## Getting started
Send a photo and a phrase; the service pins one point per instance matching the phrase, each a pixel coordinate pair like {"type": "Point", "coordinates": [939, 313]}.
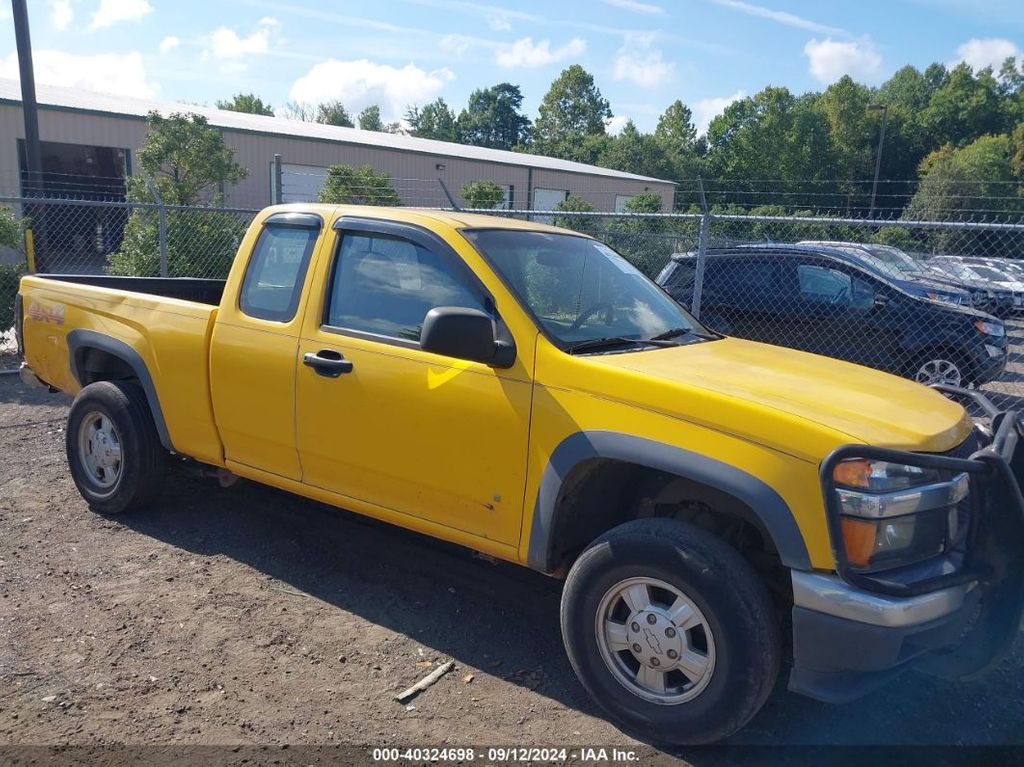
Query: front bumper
{"type": "Point", "coordinates": [853, 632]}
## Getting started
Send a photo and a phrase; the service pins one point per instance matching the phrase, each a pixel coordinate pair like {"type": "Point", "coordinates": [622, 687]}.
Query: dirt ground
{"type": "Point", "coordinates": [248, 616]}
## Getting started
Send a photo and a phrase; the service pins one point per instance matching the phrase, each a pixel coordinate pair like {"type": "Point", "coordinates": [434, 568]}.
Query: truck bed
{"type": "Point", "coordinates": [202, 291]}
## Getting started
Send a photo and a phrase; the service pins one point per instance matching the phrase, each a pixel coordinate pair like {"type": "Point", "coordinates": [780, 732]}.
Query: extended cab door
{"type": "Point", "coordinates": [391, 425]}
{"type": "Point", "coordinates": [255, 341]}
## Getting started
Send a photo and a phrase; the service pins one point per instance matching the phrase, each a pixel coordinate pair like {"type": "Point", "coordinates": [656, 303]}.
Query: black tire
{"type": "Point", "coordinates": [725, 589]}
{"type": "Point", "coordinates": [136, 481]}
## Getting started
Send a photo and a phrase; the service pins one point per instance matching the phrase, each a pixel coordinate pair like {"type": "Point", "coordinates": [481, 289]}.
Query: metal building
{"type": "Point", "coordinates": [88, 140]}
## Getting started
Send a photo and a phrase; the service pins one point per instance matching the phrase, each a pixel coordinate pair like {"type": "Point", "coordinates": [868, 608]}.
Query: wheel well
{"type": "Point", "coordinates": [934, 350]}
{"type": "Point", "coordinates": [600, 494]}
{"type": "Point", "coordinates": [93, 365]}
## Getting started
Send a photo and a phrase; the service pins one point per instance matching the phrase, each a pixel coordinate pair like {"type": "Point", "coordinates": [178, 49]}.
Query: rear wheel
{"type": "Point", "coordinates": [114, 451]}
{"type": "Point", "coordinates": [671, 631]}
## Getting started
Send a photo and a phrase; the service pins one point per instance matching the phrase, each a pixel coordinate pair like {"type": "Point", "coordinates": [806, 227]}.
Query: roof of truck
{"type": "Point", "coordinates": [421, 216]}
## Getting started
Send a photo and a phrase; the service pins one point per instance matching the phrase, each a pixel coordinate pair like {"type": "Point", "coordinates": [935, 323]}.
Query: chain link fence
{"type": "Point", "coordinates": [928, 300]}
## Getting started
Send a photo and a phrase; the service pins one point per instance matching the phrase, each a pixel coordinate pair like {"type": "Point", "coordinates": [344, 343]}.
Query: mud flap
{"type": "Point", "coordinates": [999, 548]}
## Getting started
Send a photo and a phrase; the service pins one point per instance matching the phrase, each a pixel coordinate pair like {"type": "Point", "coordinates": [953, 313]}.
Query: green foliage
{"type": "Point", "coordinates": [334, 113]}
{"type": "Point", "coordinates": [493, 118]}
{"type": "Point", "coordinates": [572, 110]}
{"type": "Point", "coordinates": [358, 186]}
{"type": "Point", "coordinates": [636, 152]}
{"type": "Point", "coordinates": [435, 120]}
{"type": "Point", "coordinates": [576, 204]}
{"type": "Point", "coordinates": [246, 102]}
{"type": "Point", "coordinates": [187, 159]}
{"type": "Point", "coordinates": [482, 194]}
{"type": "Point", "coordinates": [190, 164]}
{"type": "Point", "coordinates": [369, 119]}
{"type": "Point", "coordinates": [200, 243]}
{"type": "Point", "coordinates": [10, 274]}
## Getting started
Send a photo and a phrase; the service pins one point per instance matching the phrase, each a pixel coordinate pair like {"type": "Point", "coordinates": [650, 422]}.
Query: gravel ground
{"type": "Point", "coordinates": [248, 616]}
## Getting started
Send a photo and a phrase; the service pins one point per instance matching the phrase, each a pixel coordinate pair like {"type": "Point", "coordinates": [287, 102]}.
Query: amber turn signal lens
{"type": "Point", "coordinates": [859, 540]}
{"type": "Point", "coordinates": [853, 473]}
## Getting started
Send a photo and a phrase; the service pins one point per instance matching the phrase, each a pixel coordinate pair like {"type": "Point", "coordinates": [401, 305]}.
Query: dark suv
{"type": "Point", "coordinates": [820, 300]}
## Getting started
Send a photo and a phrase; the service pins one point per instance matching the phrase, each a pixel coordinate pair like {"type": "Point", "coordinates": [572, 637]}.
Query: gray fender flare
{"type": "Point", "coordinates": [80, 340]}
{"type": "Point", "coordinates": [772, 511]}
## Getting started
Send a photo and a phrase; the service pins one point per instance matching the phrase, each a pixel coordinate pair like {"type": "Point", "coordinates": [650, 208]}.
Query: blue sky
{"type": "Point", "coordinates": [643, 53]}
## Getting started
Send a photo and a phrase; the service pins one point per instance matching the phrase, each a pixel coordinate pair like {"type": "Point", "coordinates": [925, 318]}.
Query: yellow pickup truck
{"type": "Point", "coordinates": [720, 510]}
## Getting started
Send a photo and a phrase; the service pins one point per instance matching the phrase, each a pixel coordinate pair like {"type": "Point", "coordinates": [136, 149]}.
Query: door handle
{"type": "Point", "coordinates": [327, 363]}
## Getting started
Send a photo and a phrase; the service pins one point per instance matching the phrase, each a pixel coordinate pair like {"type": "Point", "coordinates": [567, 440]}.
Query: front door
{"type": "Point", "coordinates": [389, 424]}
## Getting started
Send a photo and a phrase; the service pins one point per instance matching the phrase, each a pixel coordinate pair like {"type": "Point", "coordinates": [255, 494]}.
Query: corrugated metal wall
{"type": "Point", "coordinates": [414, 174]}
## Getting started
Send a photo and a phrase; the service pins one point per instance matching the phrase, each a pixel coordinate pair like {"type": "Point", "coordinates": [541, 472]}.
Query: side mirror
{"type": "Point", "coordinates": [466, 334]}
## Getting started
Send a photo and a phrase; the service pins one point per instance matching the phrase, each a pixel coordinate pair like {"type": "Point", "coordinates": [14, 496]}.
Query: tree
{"type": "Point", "coordinates": [852, 130]}
{"type": "Point", "coordinates": [573, 110]}
{"type": "Point", "coordinates": [483, 194]}
{"type": "Point", "coordinates": [964, 107]}
{"type": "Point", "coordinates": [10, 274]}
{"type": "Point", "coordinates": [435, 120]}
{"type": "Point", "coordinates": [246, 102]}
{"type": "Point", "coordinates": [359, 186]}
{"type": "Point", "coordinates": [333, 113]}
{"type": "Point", "coordinates": [189, 163]}
{"type": "Point", "coordinates": [369, 119]}
{"type": "Point", "coordinates": [492, 118]}
{"type": "Point", "coordinates": [636, 152]}
{"type": "Point", "coordinates": [299, 110]}
{"type": "Point", "coordinates": [675, 131]}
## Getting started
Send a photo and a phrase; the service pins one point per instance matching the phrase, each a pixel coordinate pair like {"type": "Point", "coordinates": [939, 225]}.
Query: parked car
{"type": "Point", "coordinates": [824, 300]}
{"type": "Point", "coordinates": [715, 506]}
{"type": "Point", "coordinates": [895, 265]}
{"type": "Point", "coordinates": [997, 299]}
{"type": "Point", "coordinates": [995, 272]}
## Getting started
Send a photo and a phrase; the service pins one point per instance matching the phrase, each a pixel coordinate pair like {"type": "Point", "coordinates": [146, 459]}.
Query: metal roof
{"type": "Point", "coordinates": [106, 103]}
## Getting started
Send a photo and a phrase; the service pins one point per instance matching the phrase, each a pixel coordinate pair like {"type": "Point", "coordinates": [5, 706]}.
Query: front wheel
{"type": "Point", "coordinates": [940, 368]}
{"type": "Point", "coordinates": [671, 631]}
{"type": "Point", "coordinates": [113, 448]}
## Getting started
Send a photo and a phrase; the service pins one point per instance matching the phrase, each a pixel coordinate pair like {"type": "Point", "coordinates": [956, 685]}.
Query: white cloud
{"type": "Point", "coordinates": [358, 84]}
{"type": "Point", "coordinates": [705, 110]}
{"type": "Point", "coordinates": [782, 17]}
{"type": "Point", "coordinates": [636, 7]}
{"type": "Point", "coordinates": [169, 43]}
{"type": "Point", "coordinates": [981, 52]}
{"type": "Point", "coordinates": [113, 12]}
{"type": "Point", "coordinates": [231, 48]}
{"type": "Point", "coordinates": [498, 22]}
{"type": "Point", "coordinates": [830, 59]}
{"type": "Point", "coordinates": [61, 14]}
{"type": "Point", "coordinates": [637, 62]}
{"type": "Point", "coordinates": [121, 73]}
{"type": "Point", "coordinates": [456, 45]}
{"type": "Point", "coordinates": [615, 125]}
{"type": "Point", "coordinates": [526, 54]}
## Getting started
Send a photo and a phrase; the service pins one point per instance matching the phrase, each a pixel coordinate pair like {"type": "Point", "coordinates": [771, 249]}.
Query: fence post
{"type": "Point", "coordinates": [278, 191]}
{"type": "Point", "coordinates": [162, 223]}
{"type": "Point", "coordinates": [702, 247]}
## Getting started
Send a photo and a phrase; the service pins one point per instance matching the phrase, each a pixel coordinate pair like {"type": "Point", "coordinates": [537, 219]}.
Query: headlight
{"type": "Point", "coordinates": [996, 329]}
{"type": "Point", "coordinates": [893, 515]}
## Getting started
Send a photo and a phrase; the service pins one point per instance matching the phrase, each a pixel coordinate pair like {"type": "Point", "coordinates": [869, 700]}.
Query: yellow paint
{"type": "Point", "coordinates": [30, 251]}
{"type": "Point", "coordinates": [457, 449]}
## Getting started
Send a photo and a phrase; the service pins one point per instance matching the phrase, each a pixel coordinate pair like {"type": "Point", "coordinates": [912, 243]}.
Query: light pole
{"type": "Point", "coordinates": [884, 109]}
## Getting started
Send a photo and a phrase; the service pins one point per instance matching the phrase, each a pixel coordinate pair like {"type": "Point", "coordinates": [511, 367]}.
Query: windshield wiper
{"type": "Point", "coordinates": [609, 341]}
{"type": "Point", "coordinates": [676, 332]}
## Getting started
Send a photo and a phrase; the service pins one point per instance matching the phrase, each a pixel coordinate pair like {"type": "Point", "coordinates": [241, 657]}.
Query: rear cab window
{"type": "Point", "coordinates": [276, 271]}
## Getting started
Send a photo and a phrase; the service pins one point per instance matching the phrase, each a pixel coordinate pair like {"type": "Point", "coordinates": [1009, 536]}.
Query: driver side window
{"type": "Point", "coordinates": [823, 285]}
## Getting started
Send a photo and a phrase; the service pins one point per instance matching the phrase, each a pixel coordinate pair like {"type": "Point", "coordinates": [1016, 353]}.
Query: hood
{"type": "Point", "coordinates": [769, 393]}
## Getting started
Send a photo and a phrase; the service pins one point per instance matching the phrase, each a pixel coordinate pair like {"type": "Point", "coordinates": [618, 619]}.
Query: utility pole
{"type": "Point", "coordinates": [33, 155]}
{"type": "Point", "coordinates": [884, 109]}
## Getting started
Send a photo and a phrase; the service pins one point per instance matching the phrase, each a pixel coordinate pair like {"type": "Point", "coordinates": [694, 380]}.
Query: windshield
{"type": "Point", "coordinates": [895, 257]}
{"type": "Point", "coordinates": [579, 289]}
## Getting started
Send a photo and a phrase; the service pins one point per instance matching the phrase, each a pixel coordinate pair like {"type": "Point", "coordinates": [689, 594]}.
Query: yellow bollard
{"type": "Point", "coordinates": [30, 251]}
